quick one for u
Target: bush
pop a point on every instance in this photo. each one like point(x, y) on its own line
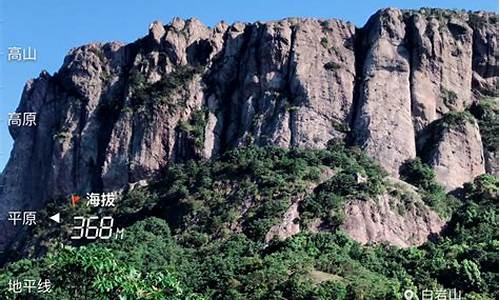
point(95, 272)
point(419, 174)
point(449, 97)
point(161, 92)
point(324, 42)
point(484, 187)
point(433, 194)
point(331, 66)
point(486, 112)
point(198, 233)
point(455, 119)
point(195, 129)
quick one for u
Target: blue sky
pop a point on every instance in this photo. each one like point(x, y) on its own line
point(55, 26)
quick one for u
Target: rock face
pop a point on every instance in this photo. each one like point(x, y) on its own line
point(485, 53)
point(381, 220)
point(384, 121)
point(115, 114)
point(456, 154)
point(442, 65)
point(288, 226)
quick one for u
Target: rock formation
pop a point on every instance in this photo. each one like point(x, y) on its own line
point(115, 114)
point(402, 219)
point(456, 151)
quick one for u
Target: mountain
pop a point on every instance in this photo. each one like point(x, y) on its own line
point(304, 158)
point(400, 87)
point(115, 114)
point(271, 223)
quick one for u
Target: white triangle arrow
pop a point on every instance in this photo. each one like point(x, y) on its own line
point(56, 218)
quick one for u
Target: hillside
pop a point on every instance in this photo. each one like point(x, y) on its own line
point(203, 232)
point(290, 159)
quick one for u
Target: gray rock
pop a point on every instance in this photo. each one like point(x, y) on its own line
point(116, 114)
point(456, 153)
point(156, 31)
point(389, 219)
point(383, 126)
point(441, 65)
point(485, 53)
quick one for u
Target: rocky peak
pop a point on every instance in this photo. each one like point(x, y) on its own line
point(115, 114)
point(156, 31)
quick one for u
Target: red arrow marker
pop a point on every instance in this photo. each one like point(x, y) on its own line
point(74, 199)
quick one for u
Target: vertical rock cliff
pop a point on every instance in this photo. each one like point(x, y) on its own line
point(115, 114)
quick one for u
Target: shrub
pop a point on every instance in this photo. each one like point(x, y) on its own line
point(486, 112)
point(324, 42)
point(195, 129)
point(484, 187)
point(456, 119)
point(433, 194)
point(161, 92)
point(331, 66)
point(449, 97)
point(197, 233)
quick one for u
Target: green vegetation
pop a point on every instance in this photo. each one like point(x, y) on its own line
point(328, 199)
point(97, 272)
point(61, 135)
point(291, 108)
point(449, 97)
point(161, 92)
point(106, 75)
point(453, 120)
point(325, 27)
point(195, 128)
point(127, 110)
point(199, 233)
point(477, 21)
point(210, 199)
point(324, 42)
point(433, 194)
point(341, 126)
point(331, 66)
point(443, 15)
point(486, 112)
point(99, 53)
point(456, 119)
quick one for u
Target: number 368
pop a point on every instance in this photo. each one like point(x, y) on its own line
point(88, 228)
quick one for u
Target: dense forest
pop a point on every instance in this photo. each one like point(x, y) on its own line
point(199, 232)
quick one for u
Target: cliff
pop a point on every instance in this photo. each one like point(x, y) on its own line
point(116, 114)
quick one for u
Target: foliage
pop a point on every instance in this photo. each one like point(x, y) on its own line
point(324, 42)
point(162, 91)
point(97, 51)
point(211, 196)
point(466, 256)
point(331, 66)
point(449, 97)
point(433, 194)
point(350, 166)
point(341, 126)
point(484, 187)
point(61, 135)
point(456, 119)
point(486, 112)
point(198, 233)
point(195, 128)
point(94, 272)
